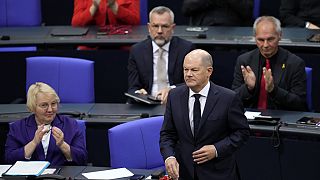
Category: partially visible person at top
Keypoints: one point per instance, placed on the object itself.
(104, 12)
(45, 135)
(270, 77)
(218, 12)
(298, 13)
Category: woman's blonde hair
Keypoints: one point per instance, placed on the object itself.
(34, 90)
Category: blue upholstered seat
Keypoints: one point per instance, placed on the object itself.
(82, 126)
(15, 13)
(309, 87)
(23, 13)
(3, 13)
(256, 9)
(144, 12)
(72, 78)
(135, 144)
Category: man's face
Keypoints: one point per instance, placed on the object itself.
(267, 39)
(196, 75)
(46, 108)
(161, 28)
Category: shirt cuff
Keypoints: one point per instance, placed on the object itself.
(307, 24)
(173, 86)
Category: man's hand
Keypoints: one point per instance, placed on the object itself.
(141, 91)
(163, 95)
(206, 153)
(172, 167)
(269, 79)
(249, 77)
(312, 26)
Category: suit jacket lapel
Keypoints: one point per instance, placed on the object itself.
(148, 61)
(279, 67)
(255, 62)
(52, 143)
(172, 58)
(210, 104)
(31, 129)
(185, 111)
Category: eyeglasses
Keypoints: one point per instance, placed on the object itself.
(163, 27)
(45, 106)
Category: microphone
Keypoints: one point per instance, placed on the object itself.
(5, 37)
(144, 115)
(202, 36)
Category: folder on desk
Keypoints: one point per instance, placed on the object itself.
(26, 168)
(69, 31)
(145, 98)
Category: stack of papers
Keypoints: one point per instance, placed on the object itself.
(3, 169)
(27, 168)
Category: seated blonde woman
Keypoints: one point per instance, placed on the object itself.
(45, 135)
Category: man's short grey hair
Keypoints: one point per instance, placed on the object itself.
(162, 10)
(272, 19)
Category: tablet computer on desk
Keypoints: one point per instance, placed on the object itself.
(145, 98)
(309, 121)
(69, 31)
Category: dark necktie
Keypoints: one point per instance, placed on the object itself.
(196, 113)
(262, 103)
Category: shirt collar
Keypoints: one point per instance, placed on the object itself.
(155, 47)
(204, 92)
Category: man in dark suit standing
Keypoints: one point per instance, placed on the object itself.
(144, 61)
(270, 77)
(204, 124)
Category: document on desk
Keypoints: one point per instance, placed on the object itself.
(252, 115)
(109, 174)
(27, 168)
(3, 169)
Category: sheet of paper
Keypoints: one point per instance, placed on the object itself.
(4, 168)
(48, 171)
(28, 168)
(251, 115)
(109, 174)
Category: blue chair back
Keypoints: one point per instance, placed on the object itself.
(82, 126)
(19, 13)
(72, 78)
(144, 12)
(3, 13)
(309, 87)
(18, 49)
(23, 12)
(256, 9)
(135, 144)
